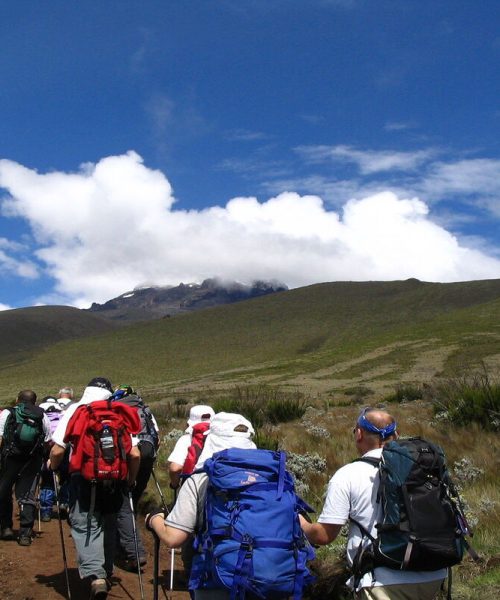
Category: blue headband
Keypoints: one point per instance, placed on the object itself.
(367, 426)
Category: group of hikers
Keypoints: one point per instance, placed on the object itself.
(243, 531)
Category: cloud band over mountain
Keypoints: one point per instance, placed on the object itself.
(114, 225)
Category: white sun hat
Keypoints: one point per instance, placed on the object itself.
(200, 413)
(227, 430)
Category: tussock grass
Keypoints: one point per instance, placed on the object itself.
(471, 398)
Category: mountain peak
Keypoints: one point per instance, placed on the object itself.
(146, 303)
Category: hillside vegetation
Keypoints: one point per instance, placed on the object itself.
(325, 338)
(26, 330)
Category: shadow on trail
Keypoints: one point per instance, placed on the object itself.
(57, 583)
(80, 589)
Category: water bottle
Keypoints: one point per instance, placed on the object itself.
(107, 444)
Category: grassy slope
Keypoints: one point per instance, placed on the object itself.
(285, 334)
(26, 330)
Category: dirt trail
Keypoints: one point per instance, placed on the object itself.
(36, 572)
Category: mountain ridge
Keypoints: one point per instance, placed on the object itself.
(142, 304)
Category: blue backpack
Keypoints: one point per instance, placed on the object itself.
(251, 539)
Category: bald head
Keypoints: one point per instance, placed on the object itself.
(379, 418)
(373, 429)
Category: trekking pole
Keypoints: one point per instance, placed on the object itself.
(156, 567)
(162, 497)
(56, 489)
(172, 554)
(38, 506)
(38, 501)
(136, 543)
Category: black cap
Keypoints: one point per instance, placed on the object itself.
(101, 382)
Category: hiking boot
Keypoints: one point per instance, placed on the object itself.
(99, 589)
(24, 539)
(131, 564)
(7, 533)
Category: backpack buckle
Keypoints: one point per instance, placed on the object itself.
(247, 545)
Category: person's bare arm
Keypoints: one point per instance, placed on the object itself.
(172, 537)
(134, 461)
(56, 456)
(319, 533)
(174, 471)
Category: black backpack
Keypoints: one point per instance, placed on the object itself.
(148, 436)
(423, 526)
(23, 434)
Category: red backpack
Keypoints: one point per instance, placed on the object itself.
(198, 438)
(100, 434)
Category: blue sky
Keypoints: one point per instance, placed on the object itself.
(156, 142)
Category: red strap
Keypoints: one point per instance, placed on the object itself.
(198, 438)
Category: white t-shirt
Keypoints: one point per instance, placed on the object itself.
(187, 513)
(180, 451)
(352, 492)
(45, 424)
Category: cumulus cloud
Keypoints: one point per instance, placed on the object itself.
(113, 225)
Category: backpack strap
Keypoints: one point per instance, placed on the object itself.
(371, 460)
(9, 429)
(363, 559)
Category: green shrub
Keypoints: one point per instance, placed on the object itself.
(266, 441)
(405, 392)
(282, 410)
(469, 399)
(263, 404)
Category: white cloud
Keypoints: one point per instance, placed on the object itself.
(10, 264)
(399, 125)
(368, 161)
(4, 307)
(245, 135)
(113, 226)
(477, 177)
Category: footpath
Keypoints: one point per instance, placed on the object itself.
(36, 572)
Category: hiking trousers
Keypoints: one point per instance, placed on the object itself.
(124, 518)
(93, 527)
(125, 530)
(22, 474)
(409, 591)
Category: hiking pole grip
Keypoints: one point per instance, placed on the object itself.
(58, 504)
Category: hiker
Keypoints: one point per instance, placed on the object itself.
(199, 414)
(24, 433)
(65, 397)
(184, 458)
(47, 494)
(352, 496)
(148, 441)
(97, 430)
(227, 430)
(243, 511)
